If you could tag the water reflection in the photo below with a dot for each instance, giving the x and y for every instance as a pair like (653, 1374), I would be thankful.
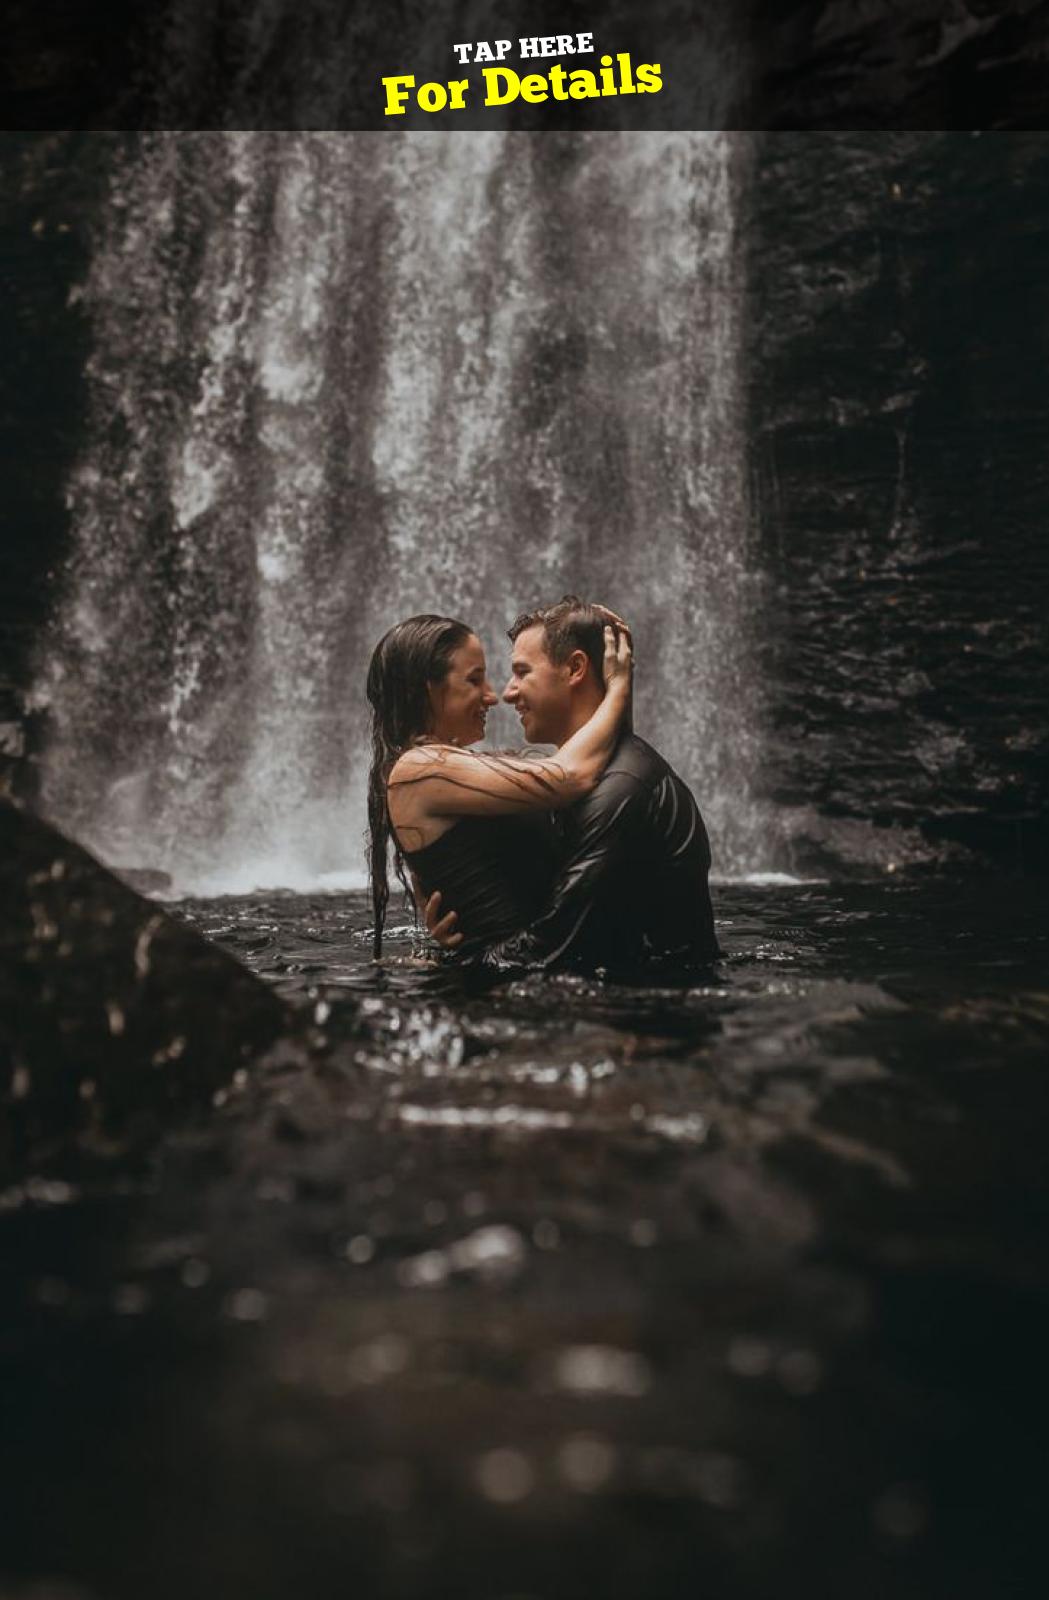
(527, 1281)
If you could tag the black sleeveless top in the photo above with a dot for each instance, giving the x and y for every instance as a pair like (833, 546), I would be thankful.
(494, 872)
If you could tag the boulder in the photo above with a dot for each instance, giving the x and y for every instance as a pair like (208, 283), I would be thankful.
(112, 1014)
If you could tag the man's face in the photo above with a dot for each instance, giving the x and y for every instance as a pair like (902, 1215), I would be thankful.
(538, 690)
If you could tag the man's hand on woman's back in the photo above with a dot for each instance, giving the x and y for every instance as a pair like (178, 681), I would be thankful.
(440, 928)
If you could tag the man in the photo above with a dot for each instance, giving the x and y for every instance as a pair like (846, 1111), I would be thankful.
(630, 891)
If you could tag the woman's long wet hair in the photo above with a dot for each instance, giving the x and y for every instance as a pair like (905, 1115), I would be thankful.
(410, 658)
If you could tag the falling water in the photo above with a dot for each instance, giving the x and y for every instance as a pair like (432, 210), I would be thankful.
(339, 378)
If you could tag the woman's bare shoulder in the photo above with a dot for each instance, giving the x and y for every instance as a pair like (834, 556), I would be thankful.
(422, 760)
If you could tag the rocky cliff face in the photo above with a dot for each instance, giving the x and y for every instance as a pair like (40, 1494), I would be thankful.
(51, 186)
(899, 339)
(875, 64)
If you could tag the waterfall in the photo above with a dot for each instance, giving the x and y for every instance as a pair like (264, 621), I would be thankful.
(340, 378)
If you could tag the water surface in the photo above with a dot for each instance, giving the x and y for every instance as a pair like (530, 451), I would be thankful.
(565, 1288)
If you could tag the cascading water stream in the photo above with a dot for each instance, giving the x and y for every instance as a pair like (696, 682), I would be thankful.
(341, 378)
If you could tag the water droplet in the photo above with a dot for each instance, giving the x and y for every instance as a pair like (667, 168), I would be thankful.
(130, 1300)
(494, 1253)
(195, 1273)
(504, 1476)
(601, 1369)
(390, 1485)
(50, 1191)
(748, 1357)
(643, 1232)
(800, 1372)
(426, 1271)
(689, 1128)
(360, 1249)
(384, 1357)
(901, 1511)
(546, 1235)
(247, 1305)
(718, 1479)
(578, 1079)
(586, 1462)
(52, 1292)
(279, 1190)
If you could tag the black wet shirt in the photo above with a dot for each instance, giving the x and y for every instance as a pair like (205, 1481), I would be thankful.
(495, 873)
(630, 891)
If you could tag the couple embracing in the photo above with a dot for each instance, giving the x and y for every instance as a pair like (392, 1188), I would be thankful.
(593, 859)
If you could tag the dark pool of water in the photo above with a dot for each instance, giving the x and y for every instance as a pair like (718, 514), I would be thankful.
(567, 1289)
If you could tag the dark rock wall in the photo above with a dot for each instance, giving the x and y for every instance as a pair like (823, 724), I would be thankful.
(899, 415)
(50, 187)
(877, 64)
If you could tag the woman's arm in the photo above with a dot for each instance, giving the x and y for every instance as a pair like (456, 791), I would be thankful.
(588, 751)
(442, 780)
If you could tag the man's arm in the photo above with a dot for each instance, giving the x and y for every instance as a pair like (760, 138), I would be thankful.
(573, 929)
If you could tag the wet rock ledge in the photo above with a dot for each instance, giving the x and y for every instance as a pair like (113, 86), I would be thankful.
(112, 1015)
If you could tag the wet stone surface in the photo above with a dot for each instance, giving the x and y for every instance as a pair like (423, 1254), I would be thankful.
(563, 1289)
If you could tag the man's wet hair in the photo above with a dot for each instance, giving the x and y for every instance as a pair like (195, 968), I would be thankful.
(569, 625)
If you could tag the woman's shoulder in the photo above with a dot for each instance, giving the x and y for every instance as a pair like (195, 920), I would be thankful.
(422, 758)
(430, 756)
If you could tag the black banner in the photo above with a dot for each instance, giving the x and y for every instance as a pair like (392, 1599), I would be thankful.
(453, 65)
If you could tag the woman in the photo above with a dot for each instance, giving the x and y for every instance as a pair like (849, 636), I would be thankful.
(450, 811)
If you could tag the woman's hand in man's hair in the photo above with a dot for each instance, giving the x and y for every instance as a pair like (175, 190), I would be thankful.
(609, 616)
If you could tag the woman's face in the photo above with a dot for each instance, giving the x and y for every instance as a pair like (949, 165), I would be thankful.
(459, 704)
